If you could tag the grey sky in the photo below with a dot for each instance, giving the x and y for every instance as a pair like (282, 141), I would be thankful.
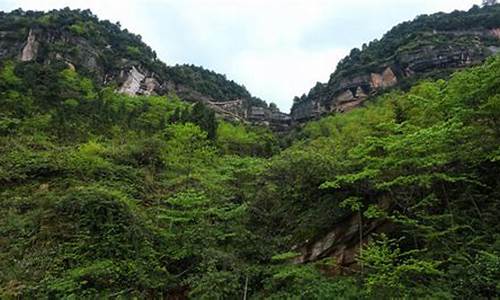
(276, 48)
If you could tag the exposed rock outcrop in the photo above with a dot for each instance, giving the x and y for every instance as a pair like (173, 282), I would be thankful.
(433, 58)
(110, 66)
(351, 92)
(307, 110)
(30, 50)
(138, 82)
(132, 84)
(237, 110)
(496, 32)
(346, 106)
(345, 96)
(417, 49)
(342, 242)
(385, 80)
(230, 110)
(149, 86)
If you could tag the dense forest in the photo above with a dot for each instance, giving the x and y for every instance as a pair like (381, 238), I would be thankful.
(106, 195)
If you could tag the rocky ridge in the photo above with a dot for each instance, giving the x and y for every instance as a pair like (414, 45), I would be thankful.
(134, 69)
(429, 46)
(131, 72)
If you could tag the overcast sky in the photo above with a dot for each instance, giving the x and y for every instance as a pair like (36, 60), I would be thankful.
(276, 48)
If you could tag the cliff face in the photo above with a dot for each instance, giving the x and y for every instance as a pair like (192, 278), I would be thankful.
(342, 243)
(429, 46)
(46, 45)
(115, 57)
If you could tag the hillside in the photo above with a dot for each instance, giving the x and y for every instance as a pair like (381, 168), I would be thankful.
(111, 188)
(431, 46)
(112, 56)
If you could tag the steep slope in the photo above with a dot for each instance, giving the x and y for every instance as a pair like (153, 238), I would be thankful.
(105, 195)
(429, 46)
(409, 175)
(112, 56)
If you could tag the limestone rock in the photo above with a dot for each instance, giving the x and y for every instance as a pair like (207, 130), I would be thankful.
(102, 61)
(353, 81)
(132, 84)
(257, 114)
(496, 32)
(149, 86)
(30, 50)
(235, 106)
(360, 93)
(348, 106)
(71, 66)
(306, 110)
(384, 80)
(342, 243)
(345, 96)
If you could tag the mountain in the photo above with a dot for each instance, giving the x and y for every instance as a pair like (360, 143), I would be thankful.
(113, 187)
(427, 47)
(431, 46)
(112, 56)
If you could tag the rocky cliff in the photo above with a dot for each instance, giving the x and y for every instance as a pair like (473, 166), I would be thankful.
(430, 46)
(342, 243)
(115, 57)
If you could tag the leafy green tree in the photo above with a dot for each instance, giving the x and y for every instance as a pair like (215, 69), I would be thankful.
(205, 118)
(390, 273)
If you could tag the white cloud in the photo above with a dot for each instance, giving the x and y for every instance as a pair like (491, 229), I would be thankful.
(258, 43)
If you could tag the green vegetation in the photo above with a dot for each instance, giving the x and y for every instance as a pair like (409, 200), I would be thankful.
(100, 48)
(425, 30)
(464, 32)
(427, 161)
(211, 84)
(106, 195)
